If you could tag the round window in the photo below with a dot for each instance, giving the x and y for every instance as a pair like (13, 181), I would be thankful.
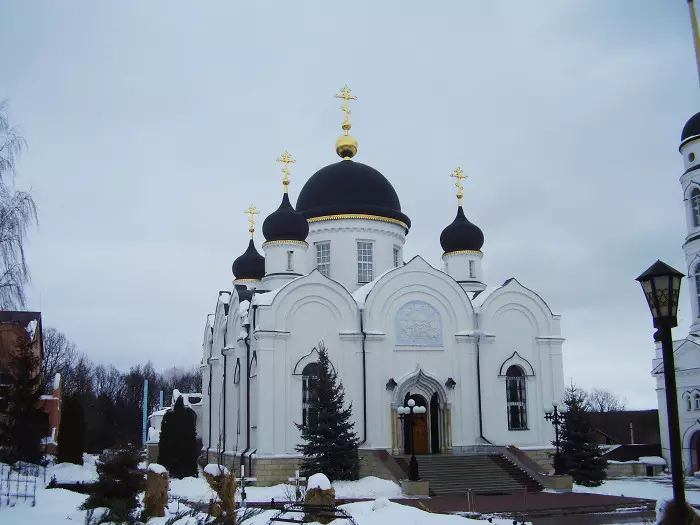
(691, 157)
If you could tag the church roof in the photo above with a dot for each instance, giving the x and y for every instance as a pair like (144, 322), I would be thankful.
(691, 128)
(350, 188)
(461, 235)
(285, 223)
(250, 265)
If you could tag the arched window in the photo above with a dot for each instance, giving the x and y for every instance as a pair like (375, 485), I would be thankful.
(697, 286)
(690, 404)
(696, 398)
(515, 398)
(309, 394)
(695, 206)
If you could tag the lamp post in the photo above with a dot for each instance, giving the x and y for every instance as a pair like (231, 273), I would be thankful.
(661, 285)
(409, 413)
(557, 416)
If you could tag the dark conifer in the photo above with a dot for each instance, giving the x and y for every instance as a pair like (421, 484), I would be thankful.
(580, 454)
(330, 442)
(118, 485)
(178, 448)
(23, 424)
(71, 431)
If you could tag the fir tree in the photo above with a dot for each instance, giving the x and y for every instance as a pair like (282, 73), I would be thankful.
(118, 485)
(23, 424)
(580, 454)
(71, 431)
(330, 441)
(178, 448)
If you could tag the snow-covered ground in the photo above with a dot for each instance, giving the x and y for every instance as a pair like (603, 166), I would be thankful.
(197, 489)
(58, 505)
(648, 488)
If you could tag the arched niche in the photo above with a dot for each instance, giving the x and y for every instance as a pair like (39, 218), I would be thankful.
(516, 360)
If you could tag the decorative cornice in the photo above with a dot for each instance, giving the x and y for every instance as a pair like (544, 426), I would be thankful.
(270, 334)
(399, 235)
(358, 216)
(245, 281)
(272, 243)
(550, 339)
(462, 252)
(350, 336)
(687, 141)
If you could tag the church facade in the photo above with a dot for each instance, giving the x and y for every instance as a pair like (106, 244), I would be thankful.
(484, 361)
(687, 350)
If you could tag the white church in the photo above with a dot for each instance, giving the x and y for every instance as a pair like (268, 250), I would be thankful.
(483, 360)
(687, 350)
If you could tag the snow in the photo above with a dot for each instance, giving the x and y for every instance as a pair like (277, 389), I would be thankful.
(653, 460)
(56, 381)
(266, 298)
(71, 473)
(157, 468)
(360, 295)
(243, 308)
(243, 334)
(45, 397)
(318, 481)
(31, 328)
(224, 297)
(369, 487)
(216, 470)
(192, 489)
(658, 488)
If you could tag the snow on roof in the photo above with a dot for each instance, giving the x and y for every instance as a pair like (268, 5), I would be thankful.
(243, 308)
(224, 297)
(266, 299)
(360, 295)
(652, 460)
(56, 381)
(481, 297)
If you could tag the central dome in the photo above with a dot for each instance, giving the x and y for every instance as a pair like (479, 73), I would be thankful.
(350, 188)
(691, 128)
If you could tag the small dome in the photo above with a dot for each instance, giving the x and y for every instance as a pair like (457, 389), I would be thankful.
(349, 187)
(250, 265)
(461, 235)
(285, 224)
(691, 128)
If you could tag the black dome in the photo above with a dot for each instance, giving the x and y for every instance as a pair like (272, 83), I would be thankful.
(691, 128)
(461, 235)
(285, 224)
(348, 187)
(250, 265)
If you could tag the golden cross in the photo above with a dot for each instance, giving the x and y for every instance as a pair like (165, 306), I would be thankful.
(345, 95)
(286, 159)
(459, 175)
(252, 211)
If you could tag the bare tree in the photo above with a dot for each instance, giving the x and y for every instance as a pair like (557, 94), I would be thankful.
(59, 356)
(602, 400)
(17, 214)
(78, 379)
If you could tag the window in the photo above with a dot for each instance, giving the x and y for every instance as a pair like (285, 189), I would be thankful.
(364, 262)
(515, 398)
(696, 397)
(695, 205)
(309, 393)
(690, 404)
(396, 256)
(471, 270)
(691, 157)
(323, 258)
(290, 261)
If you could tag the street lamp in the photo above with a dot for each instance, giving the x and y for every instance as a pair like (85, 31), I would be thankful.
(409, 413)
(557, 416)
(661, 285)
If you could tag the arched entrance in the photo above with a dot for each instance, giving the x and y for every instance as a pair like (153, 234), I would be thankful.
(420, 428)
(432, 431)
(695, 451)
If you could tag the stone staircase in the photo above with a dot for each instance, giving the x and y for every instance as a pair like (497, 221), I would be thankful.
(482, 473)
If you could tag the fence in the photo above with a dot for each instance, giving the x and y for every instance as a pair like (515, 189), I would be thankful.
(18, 482)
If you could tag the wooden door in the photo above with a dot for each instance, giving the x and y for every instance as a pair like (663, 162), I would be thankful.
(420, 434)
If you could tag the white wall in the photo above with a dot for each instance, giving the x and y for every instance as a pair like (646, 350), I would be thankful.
(343, 236)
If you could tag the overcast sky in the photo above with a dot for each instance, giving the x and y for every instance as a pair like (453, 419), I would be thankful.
(152, 125)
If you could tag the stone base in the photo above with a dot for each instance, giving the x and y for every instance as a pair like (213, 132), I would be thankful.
(415, 488)
(563, 483)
